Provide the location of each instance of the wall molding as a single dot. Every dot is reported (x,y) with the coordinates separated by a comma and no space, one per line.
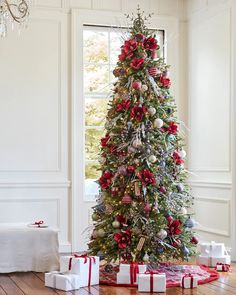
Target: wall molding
(225,233)
(211,184)
(12,185)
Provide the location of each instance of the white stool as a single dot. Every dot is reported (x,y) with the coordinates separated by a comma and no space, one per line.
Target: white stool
(23,248)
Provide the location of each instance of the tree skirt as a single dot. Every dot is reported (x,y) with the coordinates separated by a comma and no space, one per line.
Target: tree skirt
(173,273)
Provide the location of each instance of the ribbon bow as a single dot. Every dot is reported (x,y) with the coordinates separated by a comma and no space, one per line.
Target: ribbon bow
(225,267)
(38,223)
(86,258)
(151,273)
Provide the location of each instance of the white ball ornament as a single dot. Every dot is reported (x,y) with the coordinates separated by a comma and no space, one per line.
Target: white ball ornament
(101,233)
(162,234)
(184,211)
(152,159)
(115,224)
(158,123)
(182,154)
(146,257)
(152,111)
(144,87)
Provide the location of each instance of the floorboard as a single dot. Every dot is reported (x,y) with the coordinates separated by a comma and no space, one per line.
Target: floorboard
(32,283)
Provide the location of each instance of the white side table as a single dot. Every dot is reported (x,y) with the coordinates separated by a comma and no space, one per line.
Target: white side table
(23,248)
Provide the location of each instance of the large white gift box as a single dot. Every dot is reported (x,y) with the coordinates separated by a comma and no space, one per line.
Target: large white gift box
(203,260)
(50,279)
(189,281)
(212,249)
(87,267)
(67,282)
(128,273)
(152,282)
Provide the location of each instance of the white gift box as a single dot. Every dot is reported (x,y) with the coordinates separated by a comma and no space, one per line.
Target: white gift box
(67,282)
(203,260)
(189,282)
(156,284)
(212,249)
(225,259)
(81,267)
(124,276)
(50,279)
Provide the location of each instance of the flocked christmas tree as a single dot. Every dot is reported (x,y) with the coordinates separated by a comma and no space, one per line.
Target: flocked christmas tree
(142,208)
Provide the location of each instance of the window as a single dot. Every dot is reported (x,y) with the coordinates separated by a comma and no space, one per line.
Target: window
(101,47)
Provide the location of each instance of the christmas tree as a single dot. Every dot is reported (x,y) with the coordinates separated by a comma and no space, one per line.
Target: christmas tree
(141,214)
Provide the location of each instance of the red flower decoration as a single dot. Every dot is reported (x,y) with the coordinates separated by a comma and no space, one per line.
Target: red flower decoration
(105,179)
(122,56)
(138,112)
(130,169)
(123,105)
(165,81)
(177,158)
(172,128)
(137,63)
(174,227)
(104,140)
(130,46)
(150,44)
(123,239)
(147,177)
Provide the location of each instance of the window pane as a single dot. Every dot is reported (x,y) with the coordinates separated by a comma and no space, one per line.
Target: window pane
(95,46)
(96,78)
(116,40)
(91,171)
(95,112)
(92,143)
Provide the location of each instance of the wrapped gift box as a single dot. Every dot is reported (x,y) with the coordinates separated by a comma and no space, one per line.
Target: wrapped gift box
(67,282)
(152,282)
(225,259)
(212,249)
(203,260)
(222,267)
(189,281)
(50,279)
(87,267)
(128,273)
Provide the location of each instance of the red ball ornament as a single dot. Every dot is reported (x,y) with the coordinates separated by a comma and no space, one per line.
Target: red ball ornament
(162,189)
(137,85)
(194,240)
(147,209)
(153,71)
(130,169)
(126,199)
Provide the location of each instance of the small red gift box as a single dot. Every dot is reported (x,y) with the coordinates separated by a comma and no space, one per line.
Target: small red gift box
(222,267)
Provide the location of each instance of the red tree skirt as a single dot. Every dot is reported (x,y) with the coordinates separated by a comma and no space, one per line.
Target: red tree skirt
(173,274)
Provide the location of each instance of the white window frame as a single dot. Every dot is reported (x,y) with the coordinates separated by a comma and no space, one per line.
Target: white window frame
(105,18)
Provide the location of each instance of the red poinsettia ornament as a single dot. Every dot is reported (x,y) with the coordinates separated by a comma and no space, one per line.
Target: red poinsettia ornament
(150,44)
(137,63)
(174,227)
(123,105)
(123,239)
(106,179)
(177,158)
(105,140)
(165,81)
(147,177)
(138,112)
(172,128)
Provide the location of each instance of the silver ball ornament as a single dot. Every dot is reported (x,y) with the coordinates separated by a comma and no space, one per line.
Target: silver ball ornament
(162,234)
(146,257)
(158,123)
(182,154)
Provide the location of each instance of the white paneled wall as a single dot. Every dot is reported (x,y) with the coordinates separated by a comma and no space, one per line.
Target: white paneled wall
(35,112)
(211,95)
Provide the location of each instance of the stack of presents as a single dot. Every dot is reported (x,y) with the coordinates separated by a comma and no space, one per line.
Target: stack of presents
(81,270)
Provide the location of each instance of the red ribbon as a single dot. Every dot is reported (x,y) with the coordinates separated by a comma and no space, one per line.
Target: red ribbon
(151,273)
(134,270)
(38,223)
(86,258)
(191,280)
(225,267)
